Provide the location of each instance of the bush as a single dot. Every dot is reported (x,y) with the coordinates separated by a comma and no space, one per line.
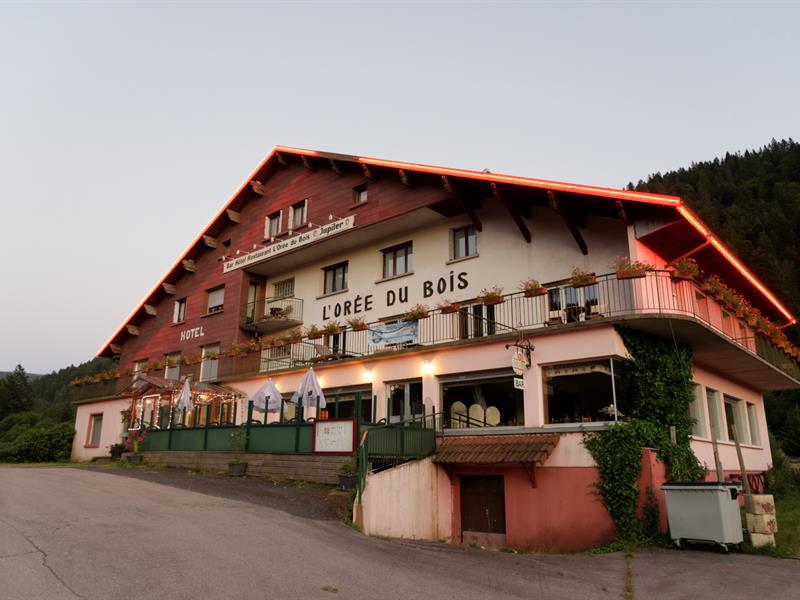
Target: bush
(782,479)
(44,442)
(14,424)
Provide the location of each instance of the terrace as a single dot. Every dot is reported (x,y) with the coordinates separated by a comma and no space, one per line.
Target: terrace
(658,303)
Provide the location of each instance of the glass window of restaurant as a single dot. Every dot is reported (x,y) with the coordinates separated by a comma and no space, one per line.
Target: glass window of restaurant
(482,399)
(405,400)
(341,403)
(584,392)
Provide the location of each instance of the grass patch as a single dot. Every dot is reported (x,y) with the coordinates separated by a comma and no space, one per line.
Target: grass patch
(787,540)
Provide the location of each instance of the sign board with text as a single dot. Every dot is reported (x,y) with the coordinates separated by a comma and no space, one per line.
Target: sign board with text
(334,436)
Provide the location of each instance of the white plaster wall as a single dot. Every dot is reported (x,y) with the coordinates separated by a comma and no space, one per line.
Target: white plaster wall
(411,501)
(504,259)
(110,434)
(756,458)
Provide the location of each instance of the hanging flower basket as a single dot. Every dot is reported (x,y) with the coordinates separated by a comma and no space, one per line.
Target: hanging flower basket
(631,273)
(492,295)
(540,291)
(447,308)
(313,332)
(631,269)
(416,312)
(357,324)
(684,269)
(332,328)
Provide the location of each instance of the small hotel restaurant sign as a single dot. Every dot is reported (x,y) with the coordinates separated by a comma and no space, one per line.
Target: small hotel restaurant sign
(297,241)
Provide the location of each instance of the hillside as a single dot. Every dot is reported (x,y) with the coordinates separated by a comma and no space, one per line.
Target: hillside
(752,201)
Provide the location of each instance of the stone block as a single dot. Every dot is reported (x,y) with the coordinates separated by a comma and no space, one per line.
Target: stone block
(759,540)
(764,524)
(759,504)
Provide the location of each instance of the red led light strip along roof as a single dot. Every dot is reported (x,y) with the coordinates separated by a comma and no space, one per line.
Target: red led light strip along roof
(659,199)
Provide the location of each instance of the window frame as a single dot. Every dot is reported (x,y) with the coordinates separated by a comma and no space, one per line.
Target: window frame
(714,418)
(209,363)
(361,193)
(344,265)
(697,411)
(752,421)
(211,310)
(90,430)
(139,365)
(454,242)
(275,217)
(408,259)
(176,356)
(276,287)
(179,311)
(303,207)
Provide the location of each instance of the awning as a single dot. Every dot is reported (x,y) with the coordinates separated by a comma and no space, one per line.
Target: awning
(526,449)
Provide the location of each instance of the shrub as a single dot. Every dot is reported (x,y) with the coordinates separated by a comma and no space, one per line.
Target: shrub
(44,442)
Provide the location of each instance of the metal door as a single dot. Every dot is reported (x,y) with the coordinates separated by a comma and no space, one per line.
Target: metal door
(483,503)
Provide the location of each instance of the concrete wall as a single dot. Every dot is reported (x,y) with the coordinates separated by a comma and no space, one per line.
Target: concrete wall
(110,434)
(562,513)
(411,500)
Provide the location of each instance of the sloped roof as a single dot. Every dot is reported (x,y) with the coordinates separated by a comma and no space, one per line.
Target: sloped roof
(533,448)
(682,213)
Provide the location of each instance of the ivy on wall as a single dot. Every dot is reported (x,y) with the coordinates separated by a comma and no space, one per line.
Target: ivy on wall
(659,381)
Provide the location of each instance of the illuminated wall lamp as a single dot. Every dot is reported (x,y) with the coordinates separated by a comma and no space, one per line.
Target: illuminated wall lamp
(367,375)
(427,367)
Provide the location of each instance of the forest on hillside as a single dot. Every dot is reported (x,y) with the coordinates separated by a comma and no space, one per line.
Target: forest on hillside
(751,200)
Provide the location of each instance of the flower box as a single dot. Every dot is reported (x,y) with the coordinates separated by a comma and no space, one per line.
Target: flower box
(450,309)
(535,292)
(584,281)
(493,300)
(677,276)
(631,273)
(361,327)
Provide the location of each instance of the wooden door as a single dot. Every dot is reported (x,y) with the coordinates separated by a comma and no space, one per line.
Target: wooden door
(483,503)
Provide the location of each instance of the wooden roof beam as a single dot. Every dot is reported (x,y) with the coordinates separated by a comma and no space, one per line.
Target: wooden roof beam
(448,187)
(499,197)
(189,265)
(622,213)
(233,216)
(336,168)
(132,329)
(281,159)
(307,162)
(115,348)
(573,228)
(368,173)
(150,310)
(210,241)
(405,178)
(169,288)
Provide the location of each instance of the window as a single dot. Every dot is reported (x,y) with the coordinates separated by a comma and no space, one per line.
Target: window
(335,278)
(485,399)
(179,311)
(360,193)
(464,243)
(712,399)
(734,416)
(139,365)
(398,260)
(583,393)
(216,299)
(285,288)
(95,430)
(298,216)
(210,364)
(697,413)
(172,366)
(252,298)
(405,401)
(752,419)
(272,225)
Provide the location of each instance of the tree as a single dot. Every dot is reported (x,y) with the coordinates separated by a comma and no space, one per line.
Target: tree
(16,394)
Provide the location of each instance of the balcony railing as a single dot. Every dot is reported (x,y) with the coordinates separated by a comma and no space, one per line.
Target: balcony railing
(562,306)
(272,314)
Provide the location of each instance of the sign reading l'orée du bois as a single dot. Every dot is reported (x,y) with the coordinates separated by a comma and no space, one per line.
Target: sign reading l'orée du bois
(301,239)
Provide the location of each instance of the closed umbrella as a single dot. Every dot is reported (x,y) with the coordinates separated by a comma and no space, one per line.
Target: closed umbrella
(267,397)
(309,389)
(185,397)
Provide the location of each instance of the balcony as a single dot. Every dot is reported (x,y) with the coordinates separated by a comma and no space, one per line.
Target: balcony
(673,309)
(272,314)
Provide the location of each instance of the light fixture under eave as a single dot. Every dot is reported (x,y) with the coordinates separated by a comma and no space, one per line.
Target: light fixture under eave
(427,367)
(368,375)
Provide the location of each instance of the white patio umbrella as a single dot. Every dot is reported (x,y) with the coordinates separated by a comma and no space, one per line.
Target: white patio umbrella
(308,390)
(267,397)
(185,397)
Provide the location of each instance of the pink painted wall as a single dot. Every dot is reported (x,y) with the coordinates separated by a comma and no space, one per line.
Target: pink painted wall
(110,433)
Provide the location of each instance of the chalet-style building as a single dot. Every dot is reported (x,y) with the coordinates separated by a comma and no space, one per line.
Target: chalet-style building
(431,259)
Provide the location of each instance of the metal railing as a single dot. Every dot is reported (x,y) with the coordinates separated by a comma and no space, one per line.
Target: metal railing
(278,310)
(562,305)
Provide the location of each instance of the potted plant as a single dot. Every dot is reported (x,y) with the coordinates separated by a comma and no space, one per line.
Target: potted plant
(237,467)
(267,343)
(446,307)
(332,327)
(684,268)
(627,269)
(295,336)
(116,451)
(531,287)
(580,278)
(135,437)
(713,285)
(492,295)
(358,324)
(348,476)
(313,332)
(416,312)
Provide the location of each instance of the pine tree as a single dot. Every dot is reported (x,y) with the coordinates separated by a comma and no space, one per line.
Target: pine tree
(16,394)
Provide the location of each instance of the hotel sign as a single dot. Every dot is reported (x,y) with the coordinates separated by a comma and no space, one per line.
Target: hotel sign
(301,239)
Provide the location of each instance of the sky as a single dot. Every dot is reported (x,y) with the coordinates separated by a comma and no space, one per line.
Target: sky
(125,126)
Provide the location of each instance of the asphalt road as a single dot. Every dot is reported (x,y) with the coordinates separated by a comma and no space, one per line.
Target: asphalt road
(72,533)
